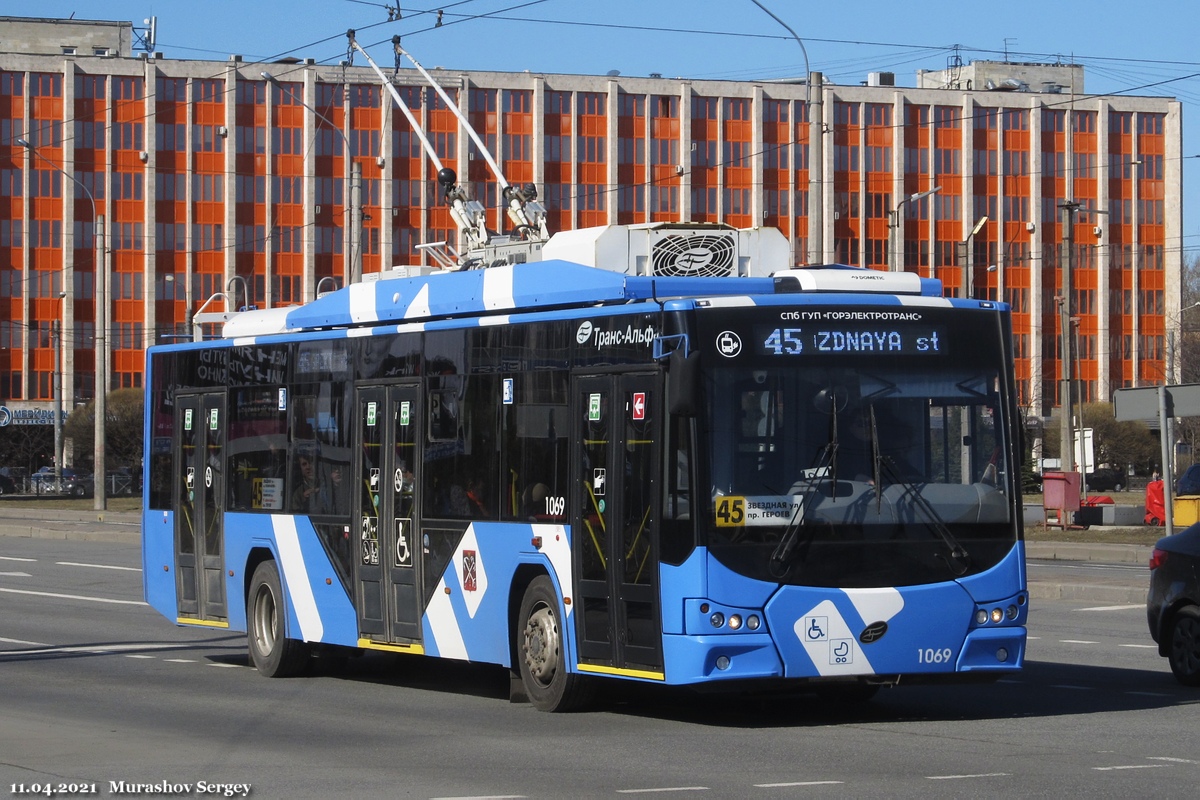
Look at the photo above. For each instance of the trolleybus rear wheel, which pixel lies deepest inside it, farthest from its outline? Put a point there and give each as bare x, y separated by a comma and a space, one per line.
540, 653
272, 653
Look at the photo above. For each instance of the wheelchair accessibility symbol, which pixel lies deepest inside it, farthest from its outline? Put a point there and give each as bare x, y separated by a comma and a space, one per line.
816, 629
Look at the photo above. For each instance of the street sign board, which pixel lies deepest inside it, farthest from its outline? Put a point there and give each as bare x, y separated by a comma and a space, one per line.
1141, 404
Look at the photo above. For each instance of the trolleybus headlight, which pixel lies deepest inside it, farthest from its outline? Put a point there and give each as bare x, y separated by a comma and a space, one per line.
1011, 612
722, 662
981, 617
735, 622
752, 622
997, 615
717, 619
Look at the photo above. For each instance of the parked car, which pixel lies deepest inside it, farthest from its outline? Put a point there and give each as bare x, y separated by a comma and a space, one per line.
77, 484
7, 485
1106, 480
1173, 604
1189, 481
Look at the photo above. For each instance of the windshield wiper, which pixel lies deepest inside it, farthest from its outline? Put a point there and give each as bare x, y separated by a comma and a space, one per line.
959, 561
826, 465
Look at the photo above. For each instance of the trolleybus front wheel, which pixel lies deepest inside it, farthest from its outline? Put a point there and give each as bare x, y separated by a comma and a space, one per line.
540, 653
272, 653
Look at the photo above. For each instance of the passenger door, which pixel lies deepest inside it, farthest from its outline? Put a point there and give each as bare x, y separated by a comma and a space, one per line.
387, 564
200, 498
618, 431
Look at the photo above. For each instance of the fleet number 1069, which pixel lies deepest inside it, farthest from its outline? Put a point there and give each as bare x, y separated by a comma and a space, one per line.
931, 655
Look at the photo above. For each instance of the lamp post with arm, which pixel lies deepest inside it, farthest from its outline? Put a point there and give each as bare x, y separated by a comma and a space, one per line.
67, 296
895, 220
354, 268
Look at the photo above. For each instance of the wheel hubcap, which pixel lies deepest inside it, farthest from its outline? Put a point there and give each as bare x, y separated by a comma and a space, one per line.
1186, 645
541, 644
264, 621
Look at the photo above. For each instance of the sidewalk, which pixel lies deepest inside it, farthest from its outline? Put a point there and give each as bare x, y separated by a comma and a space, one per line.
1046, 582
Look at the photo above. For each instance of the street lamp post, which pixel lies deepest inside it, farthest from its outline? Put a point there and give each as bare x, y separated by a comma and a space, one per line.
812, 254
895, 220
966, 262
353, 272
100, 342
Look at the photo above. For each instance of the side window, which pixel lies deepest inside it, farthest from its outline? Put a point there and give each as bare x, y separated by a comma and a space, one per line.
462, 478
536, 425
257, 448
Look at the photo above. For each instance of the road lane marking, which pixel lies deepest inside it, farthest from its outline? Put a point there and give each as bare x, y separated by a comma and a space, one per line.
963, 777
1140, 646
96, 566
98, 649
15, 575
1131, 766
180, 660
14, 558
1112, 608
140, 655
227, 666
1173, 760
797, 783
1075, 641
485, 797
664, 789
22, 641
77, 597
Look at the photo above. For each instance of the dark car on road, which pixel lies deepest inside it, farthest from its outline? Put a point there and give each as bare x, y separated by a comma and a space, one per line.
1106, 480
1173, 605
7, 485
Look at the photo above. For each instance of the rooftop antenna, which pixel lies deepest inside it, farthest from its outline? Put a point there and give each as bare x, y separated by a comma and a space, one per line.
145, 38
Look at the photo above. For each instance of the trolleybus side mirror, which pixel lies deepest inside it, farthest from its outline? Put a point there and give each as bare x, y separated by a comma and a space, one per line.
683, 384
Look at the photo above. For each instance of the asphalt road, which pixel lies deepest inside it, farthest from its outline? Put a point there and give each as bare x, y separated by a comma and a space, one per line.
99, 689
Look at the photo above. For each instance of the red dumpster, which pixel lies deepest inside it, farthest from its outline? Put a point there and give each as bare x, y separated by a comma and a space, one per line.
1156, 509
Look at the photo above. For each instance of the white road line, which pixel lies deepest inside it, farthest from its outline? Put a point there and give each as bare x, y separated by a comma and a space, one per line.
22, 641
664, 789
797, 783
15, 575
99, 649
96, 566
484, 797
1112, 608
226, 666
1173, 760
77, 597
962, 777
14, 558
139, 655
1075, 641
1140, 646
180, 660
1131, 766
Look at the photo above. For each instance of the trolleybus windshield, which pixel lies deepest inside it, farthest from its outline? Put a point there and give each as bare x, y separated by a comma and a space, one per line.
859, 453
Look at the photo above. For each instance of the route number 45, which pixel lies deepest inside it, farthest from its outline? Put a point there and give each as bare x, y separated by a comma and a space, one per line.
731, 512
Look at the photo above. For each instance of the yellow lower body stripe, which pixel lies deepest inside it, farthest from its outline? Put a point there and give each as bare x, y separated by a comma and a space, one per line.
392, 647
208, 623
628, 673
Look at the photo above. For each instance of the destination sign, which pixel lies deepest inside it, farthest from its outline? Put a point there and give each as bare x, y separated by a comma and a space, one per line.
835, 339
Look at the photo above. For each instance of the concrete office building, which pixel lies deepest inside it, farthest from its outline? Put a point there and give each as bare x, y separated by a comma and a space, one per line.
212, 178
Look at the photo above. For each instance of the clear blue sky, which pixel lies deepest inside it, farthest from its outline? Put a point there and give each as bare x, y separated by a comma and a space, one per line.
1143, 48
